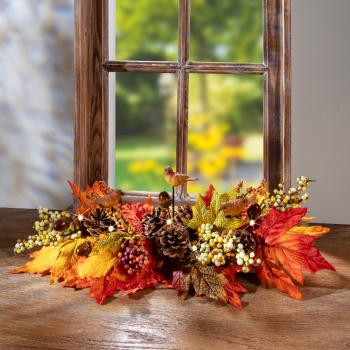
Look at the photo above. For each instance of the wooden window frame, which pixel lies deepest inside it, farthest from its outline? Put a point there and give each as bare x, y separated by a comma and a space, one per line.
92, 66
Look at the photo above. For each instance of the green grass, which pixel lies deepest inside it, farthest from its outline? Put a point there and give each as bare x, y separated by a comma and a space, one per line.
130, 150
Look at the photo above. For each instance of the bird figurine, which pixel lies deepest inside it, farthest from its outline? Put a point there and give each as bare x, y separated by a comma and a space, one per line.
235, 207
176, 179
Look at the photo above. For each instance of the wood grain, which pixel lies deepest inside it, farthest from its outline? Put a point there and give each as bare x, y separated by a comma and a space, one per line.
182, 93
91, 96
189, 66
277, 106
34, 315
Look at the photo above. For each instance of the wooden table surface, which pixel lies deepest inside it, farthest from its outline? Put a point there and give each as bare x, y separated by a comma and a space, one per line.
34, 315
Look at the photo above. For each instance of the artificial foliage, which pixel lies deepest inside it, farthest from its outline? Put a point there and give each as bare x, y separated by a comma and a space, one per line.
118, 248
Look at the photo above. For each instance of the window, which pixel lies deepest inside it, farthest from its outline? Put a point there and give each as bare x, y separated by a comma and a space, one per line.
170, 67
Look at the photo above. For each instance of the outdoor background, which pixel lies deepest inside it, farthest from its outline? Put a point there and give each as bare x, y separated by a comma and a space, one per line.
225, 111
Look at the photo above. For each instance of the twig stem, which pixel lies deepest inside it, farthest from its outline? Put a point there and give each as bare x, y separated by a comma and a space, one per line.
173, 202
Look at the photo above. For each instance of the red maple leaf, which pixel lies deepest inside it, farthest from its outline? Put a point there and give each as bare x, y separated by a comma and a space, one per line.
135, 212
208, 195
286, 254
232, 287
179, 282
102, 288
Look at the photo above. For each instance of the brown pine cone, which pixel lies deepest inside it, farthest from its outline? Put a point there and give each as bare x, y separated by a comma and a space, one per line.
183, 213
247, 239
98, 221
154, 221
173, 240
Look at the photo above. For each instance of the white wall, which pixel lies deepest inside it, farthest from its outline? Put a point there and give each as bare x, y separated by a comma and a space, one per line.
321, 104
36, 102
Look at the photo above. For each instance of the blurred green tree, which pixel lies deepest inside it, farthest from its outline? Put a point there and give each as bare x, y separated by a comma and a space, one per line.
220, 31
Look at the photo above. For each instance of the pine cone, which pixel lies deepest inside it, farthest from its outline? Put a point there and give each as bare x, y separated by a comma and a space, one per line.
98, 221
173, 240
154, 221
183, 213
247, 239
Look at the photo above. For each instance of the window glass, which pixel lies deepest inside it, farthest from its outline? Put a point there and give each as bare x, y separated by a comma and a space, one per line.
227, 30
145, 129
146, 30
225, 130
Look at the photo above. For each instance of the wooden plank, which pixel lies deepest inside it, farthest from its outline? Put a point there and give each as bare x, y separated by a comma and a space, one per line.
191, 67
287, 94
159, 320
225, 68
91, 108
182, 93
277, 151
140, 66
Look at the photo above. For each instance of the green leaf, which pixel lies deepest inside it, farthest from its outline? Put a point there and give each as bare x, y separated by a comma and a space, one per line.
201, 214
228, 223
232, 194
112, 241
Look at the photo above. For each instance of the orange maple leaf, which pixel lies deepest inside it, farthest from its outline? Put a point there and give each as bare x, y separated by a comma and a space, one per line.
97, 195
208, 195
287, 251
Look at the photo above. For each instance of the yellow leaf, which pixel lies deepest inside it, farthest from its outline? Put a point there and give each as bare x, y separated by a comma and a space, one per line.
66, 260
43, 261
309, 230
96, 266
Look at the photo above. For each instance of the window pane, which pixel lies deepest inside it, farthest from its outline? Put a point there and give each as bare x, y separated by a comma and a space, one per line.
145, 129
225, 140
227, 30
146, 30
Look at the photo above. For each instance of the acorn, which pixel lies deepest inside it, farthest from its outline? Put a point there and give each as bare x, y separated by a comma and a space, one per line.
61, 225
164, 199
254, 211
84, 249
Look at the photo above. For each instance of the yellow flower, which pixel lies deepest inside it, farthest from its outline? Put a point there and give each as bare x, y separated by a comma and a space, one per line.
211, 165
145, 166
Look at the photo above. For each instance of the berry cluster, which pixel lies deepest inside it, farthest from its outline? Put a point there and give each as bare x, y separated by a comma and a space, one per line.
212, 246
245, 259
132, 256
52, 228
293, 198
221, 248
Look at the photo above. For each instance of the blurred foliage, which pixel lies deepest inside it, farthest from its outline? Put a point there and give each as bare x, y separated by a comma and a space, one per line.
225, 30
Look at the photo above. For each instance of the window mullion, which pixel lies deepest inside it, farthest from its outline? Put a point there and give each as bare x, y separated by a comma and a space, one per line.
182, 92
277, 92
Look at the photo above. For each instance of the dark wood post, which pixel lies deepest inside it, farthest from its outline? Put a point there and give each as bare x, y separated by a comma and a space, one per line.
91, 92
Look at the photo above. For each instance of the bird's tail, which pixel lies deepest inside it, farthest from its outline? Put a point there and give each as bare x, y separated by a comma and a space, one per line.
192, 179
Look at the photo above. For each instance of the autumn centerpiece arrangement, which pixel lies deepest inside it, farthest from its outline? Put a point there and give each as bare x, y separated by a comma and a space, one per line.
118, 248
